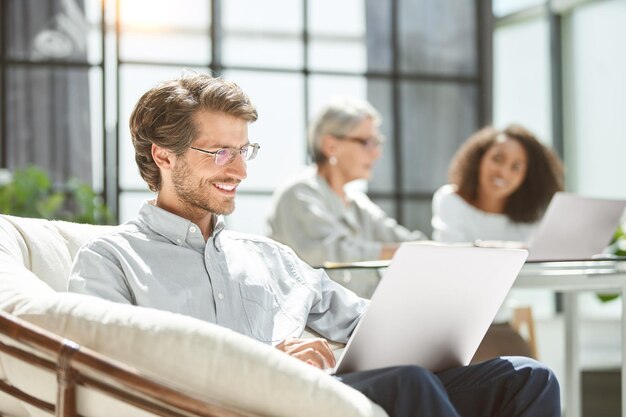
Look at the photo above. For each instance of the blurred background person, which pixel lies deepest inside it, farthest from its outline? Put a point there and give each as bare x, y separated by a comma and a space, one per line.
501, 183
320, 218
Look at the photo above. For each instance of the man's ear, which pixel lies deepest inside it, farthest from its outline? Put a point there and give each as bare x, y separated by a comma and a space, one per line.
162, 157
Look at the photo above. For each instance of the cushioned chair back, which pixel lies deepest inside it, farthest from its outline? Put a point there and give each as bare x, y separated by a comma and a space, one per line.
45, 247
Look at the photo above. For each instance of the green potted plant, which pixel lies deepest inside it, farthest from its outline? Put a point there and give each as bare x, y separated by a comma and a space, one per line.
29, 192
618, 244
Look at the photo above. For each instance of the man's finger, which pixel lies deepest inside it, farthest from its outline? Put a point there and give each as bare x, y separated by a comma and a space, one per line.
294, 346
311, 356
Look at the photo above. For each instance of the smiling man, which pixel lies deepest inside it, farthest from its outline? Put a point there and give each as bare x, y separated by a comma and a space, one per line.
191, 146
204, 182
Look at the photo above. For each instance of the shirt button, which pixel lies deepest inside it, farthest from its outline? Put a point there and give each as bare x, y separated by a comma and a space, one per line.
220, 296
192, 229
178, 241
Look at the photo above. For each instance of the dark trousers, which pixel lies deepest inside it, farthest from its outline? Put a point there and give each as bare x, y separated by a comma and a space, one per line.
506, 387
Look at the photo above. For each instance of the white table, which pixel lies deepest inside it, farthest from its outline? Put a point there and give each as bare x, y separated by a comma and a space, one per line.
572, 277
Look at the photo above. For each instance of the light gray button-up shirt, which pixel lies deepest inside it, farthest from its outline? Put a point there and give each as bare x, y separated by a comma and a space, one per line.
250, 284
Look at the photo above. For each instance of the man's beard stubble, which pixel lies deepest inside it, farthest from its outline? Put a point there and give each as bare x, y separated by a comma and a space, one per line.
197, 197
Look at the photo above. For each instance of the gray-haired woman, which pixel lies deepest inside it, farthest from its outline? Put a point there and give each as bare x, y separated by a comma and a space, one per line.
320, 218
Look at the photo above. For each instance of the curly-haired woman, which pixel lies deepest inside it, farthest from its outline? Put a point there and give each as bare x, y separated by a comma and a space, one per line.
500, 185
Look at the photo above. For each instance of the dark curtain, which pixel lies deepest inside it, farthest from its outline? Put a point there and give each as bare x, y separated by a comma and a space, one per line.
47, 96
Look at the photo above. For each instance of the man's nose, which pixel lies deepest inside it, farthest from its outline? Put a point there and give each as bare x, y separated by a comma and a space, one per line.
238, 168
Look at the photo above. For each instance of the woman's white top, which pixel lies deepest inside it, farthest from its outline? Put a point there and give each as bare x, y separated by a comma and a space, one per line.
455, 220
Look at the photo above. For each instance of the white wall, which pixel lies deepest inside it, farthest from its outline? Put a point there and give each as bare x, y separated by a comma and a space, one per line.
595, 98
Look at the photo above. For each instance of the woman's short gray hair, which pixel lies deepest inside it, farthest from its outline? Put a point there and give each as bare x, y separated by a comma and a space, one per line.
338, 118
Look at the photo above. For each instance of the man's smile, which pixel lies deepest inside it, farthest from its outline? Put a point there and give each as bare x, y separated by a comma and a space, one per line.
227, 188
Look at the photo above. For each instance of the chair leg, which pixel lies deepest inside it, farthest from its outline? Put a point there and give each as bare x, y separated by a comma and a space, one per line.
523, 323
66, 381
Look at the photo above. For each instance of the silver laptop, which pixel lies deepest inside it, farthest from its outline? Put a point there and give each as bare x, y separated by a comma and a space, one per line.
575, 228
432, 307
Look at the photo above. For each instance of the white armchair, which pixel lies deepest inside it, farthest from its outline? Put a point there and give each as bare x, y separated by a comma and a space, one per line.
133, 361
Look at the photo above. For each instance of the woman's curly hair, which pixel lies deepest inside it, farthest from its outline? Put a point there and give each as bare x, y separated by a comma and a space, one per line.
544, 173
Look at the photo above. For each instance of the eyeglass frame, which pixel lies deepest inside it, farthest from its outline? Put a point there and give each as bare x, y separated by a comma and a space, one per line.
369, 144
232, 152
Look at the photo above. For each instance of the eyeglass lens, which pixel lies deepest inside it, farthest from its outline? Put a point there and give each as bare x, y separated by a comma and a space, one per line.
367, 143
370, 143
226, 156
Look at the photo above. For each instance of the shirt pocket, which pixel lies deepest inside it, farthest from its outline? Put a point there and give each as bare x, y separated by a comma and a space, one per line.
267, 321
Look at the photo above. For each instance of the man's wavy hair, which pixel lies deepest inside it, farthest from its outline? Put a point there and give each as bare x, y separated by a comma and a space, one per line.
164, 116
544, 173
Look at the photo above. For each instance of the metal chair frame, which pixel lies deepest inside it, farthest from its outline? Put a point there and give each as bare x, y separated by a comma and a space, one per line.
77, 366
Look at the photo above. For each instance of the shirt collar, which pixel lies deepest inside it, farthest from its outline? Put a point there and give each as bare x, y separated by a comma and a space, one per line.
173, 227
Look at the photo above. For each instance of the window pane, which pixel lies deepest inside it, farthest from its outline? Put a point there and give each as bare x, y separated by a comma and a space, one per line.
165, 15
187, 48
96, 128
379, 35
324, 87
337, 35
337, 54
521, 81
260, 36
38, 129
250, 215
595, 129
438, 36
165, 31
93, 14
263, 50
280, 129
436, 119
131, 202
135, 80
53, 30
504, 7
417, 215
244, 15
383, 179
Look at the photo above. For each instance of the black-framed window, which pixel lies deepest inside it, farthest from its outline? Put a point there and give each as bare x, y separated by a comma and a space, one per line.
425, 64
51, 83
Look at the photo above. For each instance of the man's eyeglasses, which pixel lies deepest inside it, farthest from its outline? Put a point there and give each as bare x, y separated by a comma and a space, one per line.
227, 155
368, 143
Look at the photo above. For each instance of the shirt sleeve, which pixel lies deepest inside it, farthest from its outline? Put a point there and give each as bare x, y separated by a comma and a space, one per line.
384, 228
336, 310
96, 273
447, 220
